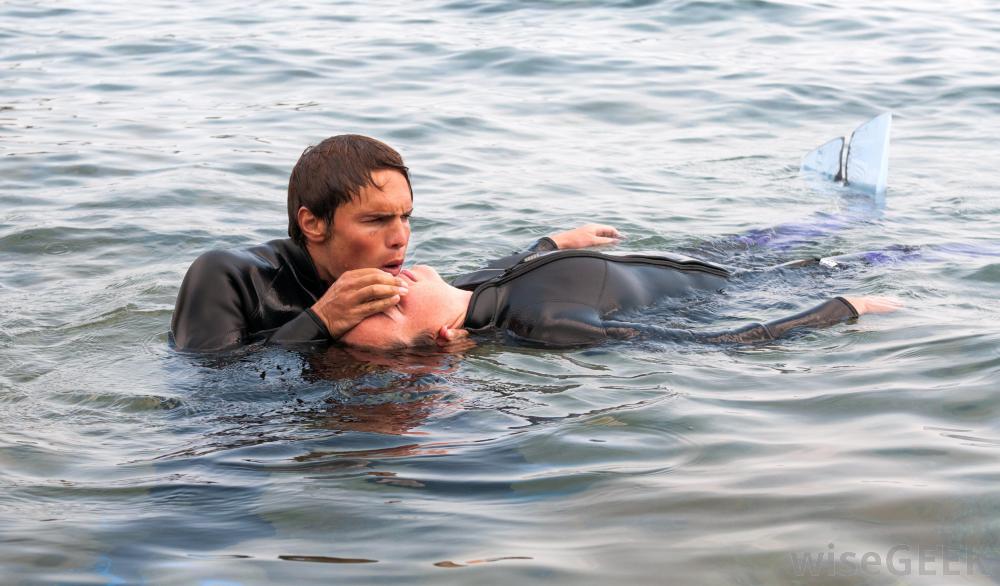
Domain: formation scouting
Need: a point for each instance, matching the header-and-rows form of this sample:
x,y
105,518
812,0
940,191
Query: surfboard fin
x,y
827,160
861,163
867,163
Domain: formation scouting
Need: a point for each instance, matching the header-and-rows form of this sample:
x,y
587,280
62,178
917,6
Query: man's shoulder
x,y
273,254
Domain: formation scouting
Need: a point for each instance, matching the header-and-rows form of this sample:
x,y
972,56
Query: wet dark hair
x,y
333,173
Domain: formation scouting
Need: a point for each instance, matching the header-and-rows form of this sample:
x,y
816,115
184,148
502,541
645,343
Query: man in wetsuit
x,y
568,299
349,206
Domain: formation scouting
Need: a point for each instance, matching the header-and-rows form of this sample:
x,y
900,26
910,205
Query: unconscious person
x,y
570,299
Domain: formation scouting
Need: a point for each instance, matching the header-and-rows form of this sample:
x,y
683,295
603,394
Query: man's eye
x,y
385,219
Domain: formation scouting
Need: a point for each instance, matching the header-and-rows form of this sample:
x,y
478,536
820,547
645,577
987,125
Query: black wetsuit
x,y
565,298
235,297
231,298
543,296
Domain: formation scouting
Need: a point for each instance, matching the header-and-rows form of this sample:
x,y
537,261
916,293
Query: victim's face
x,y
414,321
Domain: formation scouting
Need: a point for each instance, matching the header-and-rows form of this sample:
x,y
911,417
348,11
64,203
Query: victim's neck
x,y
457,304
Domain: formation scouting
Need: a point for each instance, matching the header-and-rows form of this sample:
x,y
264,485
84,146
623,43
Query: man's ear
x,y
314,228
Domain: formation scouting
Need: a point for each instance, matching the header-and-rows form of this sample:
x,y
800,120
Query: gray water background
x,y
134,136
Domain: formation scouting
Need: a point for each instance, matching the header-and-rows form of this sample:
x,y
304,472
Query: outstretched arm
x,y
586,236
825,314
582,237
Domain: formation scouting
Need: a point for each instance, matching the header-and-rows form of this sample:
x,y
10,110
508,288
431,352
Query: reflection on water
x,y
133,138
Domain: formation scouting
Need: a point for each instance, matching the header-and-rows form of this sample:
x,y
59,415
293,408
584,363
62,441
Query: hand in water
x,y
586,236
874,304
356,295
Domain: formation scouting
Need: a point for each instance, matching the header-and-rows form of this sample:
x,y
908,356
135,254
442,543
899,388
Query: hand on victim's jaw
x,y
431,313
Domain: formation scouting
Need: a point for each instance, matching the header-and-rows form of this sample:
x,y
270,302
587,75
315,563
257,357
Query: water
x,y
135,136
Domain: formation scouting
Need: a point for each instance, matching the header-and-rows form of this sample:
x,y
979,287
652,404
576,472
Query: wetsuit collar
x,y
305,268
482,308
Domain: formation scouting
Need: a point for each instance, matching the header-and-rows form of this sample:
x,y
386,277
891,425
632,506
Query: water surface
x,y
133,137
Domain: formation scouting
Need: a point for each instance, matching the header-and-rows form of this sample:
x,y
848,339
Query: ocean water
x,y
134,136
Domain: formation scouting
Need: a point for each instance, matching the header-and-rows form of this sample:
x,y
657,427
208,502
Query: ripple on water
x,y
986,274
41,13
121,403
511,61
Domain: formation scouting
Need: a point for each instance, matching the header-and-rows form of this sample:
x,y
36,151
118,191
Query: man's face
x,y
373,229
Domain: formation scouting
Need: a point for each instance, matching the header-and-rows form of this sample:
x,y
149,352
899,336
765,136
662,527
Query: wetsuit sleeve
x,y
497,267
826,314
305,327
210,310
823,315
541,245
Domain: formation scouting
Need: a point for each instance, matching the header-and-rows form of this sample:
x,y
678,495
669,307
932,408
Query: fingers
x,y
364,285
606,231
602,241
586,236
374,306
359,278
356,295
376,292
602,235
340,316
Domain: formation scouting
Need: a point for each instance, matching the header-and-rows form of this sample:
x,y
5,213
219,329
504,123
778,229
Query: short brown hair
x,y
333,173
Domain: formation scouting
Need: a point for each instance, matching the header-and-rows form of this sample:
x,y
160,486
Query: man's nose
x,y
399,234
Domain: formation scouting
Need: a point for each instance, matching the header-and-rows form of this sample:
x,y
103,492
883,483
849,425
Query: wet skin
x,y
430,305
